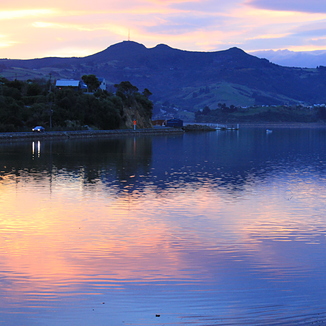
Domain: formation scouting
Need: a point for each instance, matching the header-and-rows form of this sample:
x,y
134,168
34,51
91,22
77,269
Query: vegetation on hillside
x,y
187,80
25,104
274,113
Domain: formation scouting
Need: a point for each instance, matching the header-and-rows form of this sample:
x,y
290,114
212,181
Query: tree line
x,y
275,113
26,104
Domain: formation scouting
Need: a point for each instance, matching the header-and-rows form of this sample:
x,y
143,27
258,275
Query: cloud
x,y
4,43
46,27
13,4
18,14
182,23
208,6
311,6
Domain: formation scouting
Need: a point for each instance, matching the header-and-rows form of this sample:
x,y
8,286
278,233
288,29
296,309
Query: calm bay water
x,y
219,228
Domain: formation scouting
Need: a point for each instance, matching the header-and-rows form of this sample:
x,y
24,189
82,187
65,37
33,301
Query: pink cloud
x,y
67,28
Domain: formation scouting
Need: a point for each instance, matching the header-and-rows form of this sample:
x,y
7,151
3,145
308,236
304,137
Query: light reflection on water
x,y
203,229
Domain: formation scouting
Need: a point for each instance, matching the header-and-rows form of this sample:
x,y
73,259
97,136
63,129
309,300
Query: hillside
x,y
185,81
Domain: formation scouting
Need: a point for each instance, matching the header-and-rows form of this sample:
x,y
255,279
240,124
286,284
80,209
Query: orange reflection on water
x,y
62,238
59,237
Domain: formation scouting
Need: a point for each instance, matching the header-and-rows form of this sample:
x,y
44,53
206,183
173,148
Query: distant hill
x,y
184,81
303,59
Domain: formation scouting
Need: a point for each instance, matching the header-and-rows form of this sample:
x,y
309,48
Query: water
x,y
218,228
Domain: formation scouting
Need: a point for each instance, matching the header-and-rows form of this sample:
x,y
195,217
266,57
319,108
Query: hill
x,y
184,81
307,59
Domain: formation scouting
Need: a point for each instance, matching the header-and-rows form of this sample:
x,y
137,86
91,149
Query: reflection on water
x,y
222,228
36,149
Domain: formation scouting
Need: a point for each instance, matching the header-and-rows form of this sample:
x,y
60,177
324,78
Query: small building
x,y
175,123
158,122
64,83
103,83
77,84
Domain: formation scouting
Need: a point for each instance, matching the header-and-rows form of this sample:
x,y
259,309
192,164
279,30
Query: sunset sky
x,y
35,28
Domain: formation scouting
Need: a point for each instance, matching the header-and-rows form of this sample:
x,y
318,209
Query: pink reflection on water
x,y
61,239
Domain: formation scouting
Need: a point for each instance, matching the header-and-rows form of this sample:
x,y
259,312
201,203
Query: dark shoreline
x,y
275,125
267,125
11,136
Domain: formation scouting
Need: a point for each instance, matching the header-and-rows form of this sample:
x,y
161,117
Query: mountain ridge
x,y
184,81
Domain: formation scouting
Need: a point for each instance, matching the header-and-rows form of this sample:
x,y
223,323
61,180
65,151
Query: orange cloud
x,y
38,29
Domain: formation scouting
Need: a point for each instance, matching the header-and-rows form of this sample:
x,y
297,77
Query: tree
x,y
126,91
92,82
25,104
126,88
147,93
206,110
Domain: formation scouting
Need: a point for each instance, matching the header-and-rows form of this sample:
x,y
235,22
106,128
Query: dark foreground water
x,y
219,228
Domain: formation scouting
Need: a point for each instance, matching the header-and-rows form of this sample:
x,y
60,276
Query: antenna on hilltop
x,y
128,34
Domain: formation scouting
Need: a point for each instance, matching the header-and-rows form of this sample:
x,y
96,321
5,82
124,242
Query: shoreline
x,y
11,136
269,125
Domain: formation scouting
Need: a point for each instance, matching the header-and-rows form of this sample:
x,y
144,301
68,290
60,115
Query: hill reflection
x,y
229,161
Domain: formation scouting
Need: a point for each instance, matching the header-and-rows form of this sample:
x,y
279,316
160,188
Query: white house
x,y
62,83
103,83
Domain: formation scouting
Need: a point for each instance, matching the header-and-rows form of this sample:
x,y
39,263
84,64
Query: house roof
x,y
67,82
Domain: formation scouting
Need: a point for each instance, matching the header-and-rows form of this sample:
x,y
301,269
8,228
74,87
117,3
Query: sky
x,y
62,28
